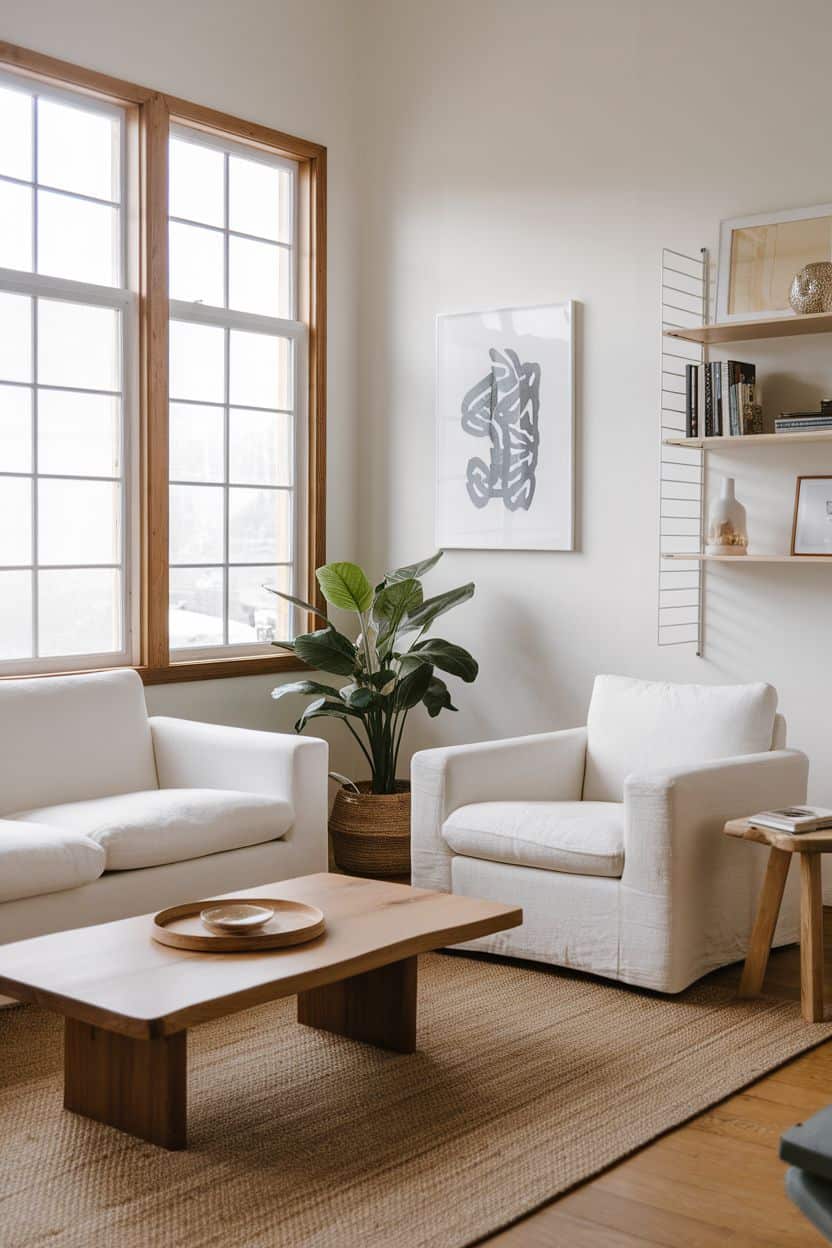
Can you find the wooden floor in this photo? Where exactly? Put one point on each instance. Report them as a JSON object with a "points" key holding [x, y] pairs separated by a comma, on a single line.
{"points": [[714, 1183]]}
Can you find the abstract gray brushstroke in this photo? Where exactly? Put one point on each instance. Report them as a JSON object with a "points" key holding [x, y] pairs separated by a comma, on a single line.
{"points": [[505, 407]]}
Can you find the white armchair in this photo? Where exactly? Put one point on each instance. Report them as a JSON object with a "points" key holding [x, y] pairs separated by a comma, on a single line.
{"points": [[610, 836]]}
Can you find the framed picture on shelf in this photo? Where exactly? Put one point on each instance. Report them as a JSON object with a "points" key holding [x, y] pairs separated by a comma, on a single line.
{"points": [[759, 256], [812, 526], [505, 429]]}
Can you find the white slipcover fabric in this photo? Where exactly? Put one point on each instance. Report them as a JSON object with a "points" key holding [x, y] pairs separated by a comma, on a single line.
{"points": [[686, 898], [68, 738], [582, 838], [160, 826], [36, 860], [643, 725]]}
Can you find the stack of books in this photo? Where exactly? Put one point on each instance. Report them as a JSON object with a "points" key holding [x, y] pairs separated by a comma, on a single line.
{"points": [[720, 399], [794, 819], [796, 422]]}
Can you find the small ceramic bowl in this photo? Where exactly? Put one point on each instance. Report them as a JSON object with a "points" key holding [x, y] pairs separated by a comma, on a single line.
{"points": [[236, 917]]}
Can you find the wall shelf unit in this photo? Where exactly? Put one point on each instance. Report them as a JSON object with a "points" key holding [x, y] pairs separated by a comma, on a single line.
{"points": [[762, 327], [741, 559], [728, 443]]}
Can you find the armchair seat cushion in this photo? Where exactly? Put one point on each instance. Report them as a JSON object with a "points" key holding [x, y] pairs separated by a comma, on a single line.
{"points": [[580, 838], [36, 860], [159, 826]]}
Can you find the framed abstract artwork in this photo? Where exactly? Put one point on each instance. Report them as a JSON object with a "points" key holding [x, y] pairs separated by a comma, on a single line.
{"points": [[505, 429]]}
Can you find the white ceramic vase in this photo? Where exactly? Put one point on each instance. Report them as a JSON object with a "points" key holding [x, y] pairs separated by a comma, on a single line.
{"points": [[727, 529]]}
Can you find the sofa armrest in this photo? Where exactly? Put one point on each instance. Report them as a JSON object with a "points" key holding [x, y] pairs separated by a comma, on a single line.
{"points": [[192, 755], [547, 766], [688, 889]]}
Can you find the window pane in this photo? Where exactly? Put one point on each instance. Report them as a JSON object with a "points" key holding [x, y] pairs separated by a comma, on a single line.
{"points": [[197, 362], [196, 524], [16, 133], [259, 199], [196, 607], [197, 183], [196, 265], [259, 370], [15, 615], [79, 433], [78, 345], [15, 337], [259, 526], [258, 277], [15, 226], [196, 442], [15, 429], [79, 611], [253, 607], [78, 149], [15, 520], [78, 239], [260, 447], [79, 521]]}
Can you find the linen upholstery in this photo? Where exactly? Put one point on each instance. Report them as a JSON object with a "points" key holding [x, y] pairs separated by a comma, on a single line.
{"points": [[582, 838], [169, 825], [687, 894], [35, 860]]}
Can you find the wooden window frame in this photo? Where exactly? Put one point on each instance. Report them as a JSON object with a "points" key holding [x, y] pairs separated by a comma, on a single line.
{"points": [[149, 117]]}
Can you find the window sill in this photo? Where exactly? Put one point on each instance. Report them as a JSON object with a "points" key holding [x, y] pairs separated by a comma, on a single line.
{"points": [[218, 669]]}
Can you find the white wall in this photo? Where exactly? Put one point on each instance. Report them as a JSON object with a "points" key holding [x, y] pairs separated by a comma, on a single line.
{"points": [[533, 152], [288, 64]]}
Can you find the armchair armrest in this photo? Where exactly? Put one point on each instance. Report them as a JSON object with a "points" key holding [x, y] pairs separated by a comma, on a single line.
{"points": [[688, 896], [192, 755], [547, 766]]}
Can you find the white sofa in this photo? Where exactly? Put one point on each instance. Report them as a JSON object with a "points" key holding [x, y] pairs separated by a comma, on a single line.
{"points": [[610, 836], [106, 813]]}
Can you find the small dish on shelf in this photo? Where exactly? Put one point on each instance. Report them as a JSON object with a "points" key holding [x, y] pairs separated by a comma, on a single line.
{"points": [[236, 916]]}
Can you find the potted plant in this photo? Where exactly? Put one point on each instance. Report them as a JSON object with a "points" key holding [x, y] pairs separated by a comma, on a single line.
{"points": [[392, 667]]}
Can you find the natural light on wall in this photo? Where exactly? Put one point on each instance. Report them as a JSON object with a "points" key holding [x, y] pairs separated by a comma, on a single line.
{"points": [[64, 309], [235, 406]]}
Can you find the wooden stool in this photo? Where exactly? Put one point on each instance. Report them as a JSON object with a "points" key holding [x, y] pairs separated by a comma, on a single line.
{"points": [[809, 847]]}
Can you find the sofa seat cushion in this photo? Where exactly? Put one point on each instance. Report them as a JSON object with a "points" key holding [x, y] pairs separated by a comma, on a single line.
{"points": [[158, 826], [36, 860], [582, 838]]}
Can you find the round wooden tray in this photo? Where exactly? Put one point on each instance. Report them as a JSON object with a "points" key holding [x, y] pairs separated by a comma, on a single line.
{"points": [[294, 923]]}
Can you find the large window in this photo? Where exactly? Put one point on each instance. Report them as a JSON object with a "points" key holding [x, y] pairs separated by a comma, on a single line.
{"points": [[162, 379], [66, 333]]}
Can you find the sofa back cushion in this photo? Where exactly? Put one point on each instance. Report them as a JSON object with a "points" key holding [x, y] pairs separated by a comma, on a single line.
{"points": [[66, 738], [641, 725]]}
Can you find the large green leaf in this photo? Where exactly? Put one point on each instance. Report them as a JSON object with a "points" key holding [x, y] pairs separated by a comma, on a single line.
{"points": [[325, 707], [412, 687], [437, 698], [431, 608], [413, 571], [447, 657], [304, 686], [345, 585], [328, 650], [359, 697], [391, 606], [297, 602]]}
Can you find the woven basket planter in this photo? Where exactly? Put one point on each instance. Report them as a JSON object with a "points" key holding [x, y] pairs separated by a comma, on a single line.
{"points": [[371, 831]]}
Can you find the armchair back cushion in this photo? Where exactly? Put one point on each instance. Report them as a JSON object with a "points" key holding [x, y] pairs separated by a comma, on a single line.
{"points": [[641, 726], [71, 738]]}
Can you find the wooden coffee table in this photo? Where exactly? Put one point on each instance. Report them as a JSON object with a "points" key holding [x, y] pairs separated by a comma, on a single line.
{"points": [[128, 1001], [782, 849]]}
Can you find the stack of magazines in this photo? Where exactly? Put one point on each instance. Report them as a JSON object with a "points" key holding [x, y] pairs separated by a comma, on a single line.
{"points": [[804, 422], [794, 819]]}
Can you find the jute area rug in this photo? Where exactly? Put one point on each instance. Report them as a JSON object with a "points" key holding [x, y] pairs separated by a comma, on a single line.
{"points": [[526, 1081]]}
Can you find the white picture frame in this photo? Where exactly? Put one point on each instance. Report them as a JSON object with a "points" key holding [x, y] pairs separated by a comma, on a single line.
{"points": [[812, 527], [505, 429], [729, 227]]}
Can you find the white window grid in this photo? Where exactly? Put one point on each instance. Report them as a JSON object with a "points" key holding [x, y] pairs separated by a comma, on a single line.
{"points": [[124, 301], [296, 333]]}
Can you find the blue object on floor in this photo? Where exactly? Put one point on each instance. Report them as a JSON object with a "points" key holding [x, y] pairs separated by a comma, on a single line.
{"points": [[808, 1149], [813, 1197]]}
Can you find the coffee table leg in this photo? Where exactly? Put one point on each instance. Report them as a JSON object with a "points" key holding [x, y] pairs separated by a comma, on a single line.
{"points": [[811, 938], [139, 1086], [768, 909], [378, 1007]]}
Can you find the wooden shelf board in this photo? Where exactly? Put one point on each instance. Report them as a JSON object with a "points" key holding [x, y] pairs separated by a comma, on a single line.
{"points": [[728, 443], [753, 558], [765, 327]]}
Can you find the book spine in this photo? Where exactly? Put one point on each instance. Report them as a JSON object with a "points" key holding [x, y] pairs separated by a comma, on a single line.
{"points": [[781, 425], [717, 384], [709, 400], [733, 410], [690, 404]]}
